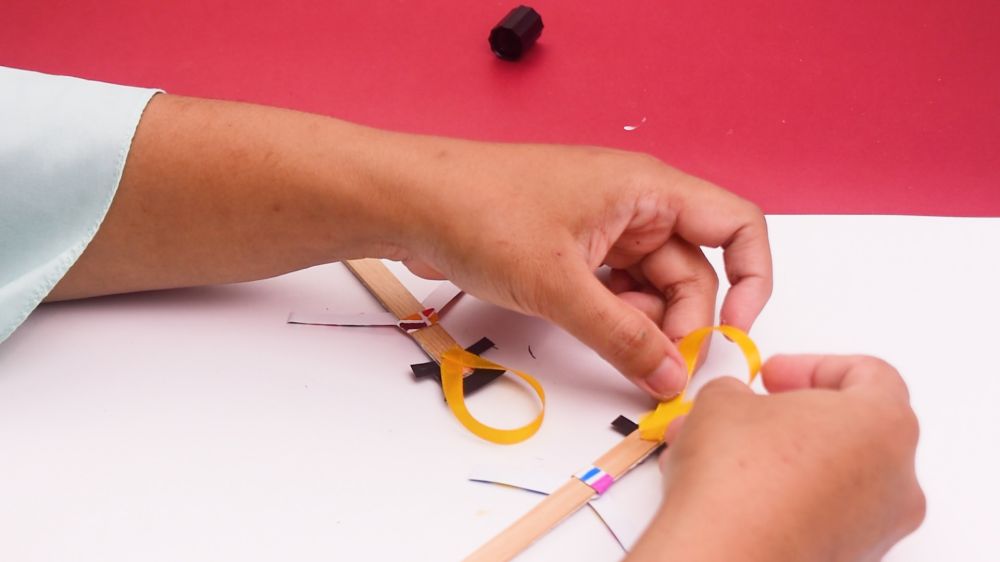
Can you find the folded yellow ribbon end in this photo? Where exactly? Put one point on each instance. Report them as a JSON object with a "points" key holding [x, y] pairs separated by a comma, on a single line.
{"points": [[653, 425]]}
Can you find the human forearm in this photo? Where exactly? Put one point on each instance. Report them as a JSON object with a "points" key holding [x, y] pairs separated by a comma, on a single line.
{"points": [[710, 528], [217, 192]]}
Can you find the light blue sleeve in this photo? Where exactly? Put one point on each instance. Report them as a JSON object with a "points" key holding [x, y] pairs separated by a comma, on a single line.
{"points": [[63, 144]]}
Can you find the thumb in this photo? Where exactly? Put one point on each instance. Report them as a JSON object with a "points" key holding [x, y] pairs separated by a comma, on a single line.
{"points": [[619, 332], [670, 437], [674, 429]]}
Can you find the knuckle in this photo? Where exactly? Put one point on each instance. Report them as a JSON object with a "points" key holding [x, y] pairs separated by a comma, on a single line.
{"points": [[695, 286], [889, 377], [917, 511], [755, 222], [898, 426], [754, 211], [645, 170], [878, 364], [910, 425], [698, 281]]}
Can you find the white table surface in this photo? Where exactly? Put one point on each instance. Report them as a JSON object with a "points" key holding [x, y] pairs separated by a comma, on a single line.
{"points": [[197, 425]]}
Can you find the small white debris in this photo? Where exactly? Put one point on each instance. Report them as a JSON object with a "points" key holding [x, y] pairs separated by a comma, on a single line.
{"points": [[634, 127]]}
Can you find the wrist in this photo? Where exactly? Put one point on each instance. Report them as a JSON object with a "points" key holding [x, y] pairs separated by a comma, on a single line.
{"points": [[385, 193], [712, 528], [339, 172]]}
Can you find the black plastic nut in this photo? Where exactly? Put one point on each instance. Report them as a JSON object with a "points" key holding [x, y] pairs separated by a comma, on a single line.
{"points": [[516, 33]]}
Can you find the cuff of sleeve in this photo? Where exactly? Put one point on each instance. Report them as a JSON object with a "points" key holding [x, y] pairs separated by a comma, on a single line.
{"points": [[62, 152]]}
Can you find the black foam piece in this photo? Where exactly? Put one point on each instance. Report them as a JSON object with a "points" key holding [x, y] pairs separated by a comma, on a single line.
{"points": [[625, 426], [476, 380]]}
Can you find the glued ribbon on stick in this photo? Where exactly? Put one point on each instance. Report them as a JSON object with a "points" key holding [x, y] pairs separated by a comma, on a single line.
{"points": [[418, 321], [454, 364], [654, 425]]}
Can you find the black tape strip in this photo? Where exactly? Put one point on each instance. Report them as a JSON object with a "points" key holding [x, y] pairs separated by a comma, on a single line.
{"points": [[478, 379], [425, 370], [624, 426], [481, 346]]}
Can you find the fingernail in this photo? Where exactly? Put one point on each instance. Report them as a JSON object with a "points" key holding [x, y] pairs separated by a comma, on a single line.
{"points": [[667, 380]]}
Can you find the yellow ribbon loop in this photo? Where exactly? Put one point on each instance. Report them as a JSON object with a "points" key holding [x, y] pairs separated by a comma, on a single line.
{"points": [[654, 425], [454, 363]]}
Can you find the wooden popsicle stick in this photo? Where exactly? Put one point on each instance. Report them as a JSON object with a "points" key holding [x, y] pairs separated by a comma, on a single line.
{"points": [[389, 291], [562, 503], [565, 501], [398, 300], [551, 511]]}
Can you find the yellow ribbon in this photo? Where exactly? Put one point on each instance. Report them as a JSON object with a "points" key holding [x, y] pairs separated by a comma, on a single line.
{"points": [[654, 425], [454, 364]]}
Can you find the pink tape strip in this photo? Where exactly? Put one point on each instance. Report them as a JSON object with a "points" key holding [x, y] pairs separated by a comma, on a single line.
{"points": [[603, 484]]}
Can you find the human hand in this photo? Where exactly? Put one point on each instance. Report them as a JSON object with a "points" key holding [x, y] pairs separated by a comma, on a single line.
{"points": [[526, 226], [821, 470], [222, 192]]}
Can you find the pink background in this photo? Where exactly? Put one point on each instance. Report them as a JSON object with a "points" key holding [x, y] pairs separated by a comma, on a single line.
{"points": [[802, 106]]}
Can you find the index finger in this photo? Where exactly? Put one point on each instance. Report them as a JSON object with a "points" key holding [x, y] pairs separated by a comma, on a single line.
{"points": [[708, 215]]}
